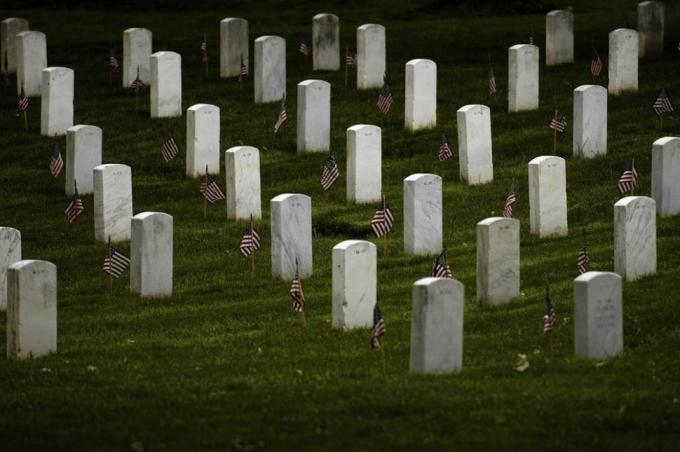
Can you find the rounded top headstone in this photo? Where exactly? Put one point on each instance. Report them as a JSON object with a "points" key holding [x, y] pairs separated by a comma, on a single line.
{"points": [[498, 222], [524, 48], [423, 179], [315, 83], [166, 55], [366, 129], [560, 12], [233, 19], [593, 275], [371, 27], [328, 17], [31, 34], [350, 244], [137, 30], [623, 33], [269, 39], [666, 140], [290, 197], [438, 283], [152, 216], [57, 71], [240, 150], [636, 201], [79, 128], [32, 265], [546, 160], [591, 88], [421, 63], [474, 108], [110, 167], [204, 108]]}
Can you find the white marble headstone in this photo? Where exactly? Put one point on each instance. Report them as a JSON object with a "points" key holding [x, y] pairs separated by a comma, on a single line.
{"points": [[151, 259], [10, 252], [31, 53], [522, 77], [313, 116], [270, 69], [326, 42], [9, 28], [651, 17], [83, 154], [635, 237], [590, 121], [233, 46], [559, 37], [497, 260], [56, 103], [420, 95], [137, 48], [437, 326], [242, 165], [112, 202], [370, 56], [203, 140], [598, 315], [364, 163], [166, 85], [423, 214], [474, 144], [291, 235], [548, 196], [31, 309], [666, 175], [354, 284], [623, 61]]}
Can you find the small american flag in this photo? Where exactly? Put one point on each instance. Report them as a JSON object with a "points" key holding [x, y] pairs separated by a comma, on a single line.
{"points": [[445, 152], [510, 201], [492, 79], [305, 48], [210, 190], [549, 319], [628, 179], [115, 262], [137, 84], [296, 293], [595, 63], [330, 173], [663, 104], [74, 208], [441, 267], [204, 50], [113, 62], [350, 57], [23, 101], [56, 162], [243, 71], [283, 116], [382, 221], [582, 260], [169, 148], [378, 330], [250, 241], [559, 122], [385, 99]]}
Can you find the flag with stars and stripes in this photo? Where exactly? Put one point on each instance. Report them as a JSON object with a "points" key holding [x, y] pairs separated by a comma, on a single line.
{"points": [[385, 99], [445, 152], [382, 221], [243, 71], [137, 84], [282, 118], [56, 162], [378, 330], [74, 208], [662, 104], [441, 268], [492, 79], [210, 190], [169, 148], [296, 293], [305, 48], [250, 241], [113, 62], [628, 179], [510, 201], [559, 122], [350, 57], [330, 173], [550, 318], [595, 63], [204, 50], [23, 101], [115, 262], [582, 260]]}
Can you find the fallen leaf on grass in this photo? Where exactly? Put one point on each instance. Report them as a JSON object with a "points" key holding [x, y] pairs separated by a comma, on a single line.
{"points": [[522, 363]]}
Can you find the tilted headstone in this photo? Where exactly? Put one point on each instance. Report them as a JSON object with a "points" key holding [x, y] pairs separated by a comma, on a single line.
{"points": [[31, 53], [112, 202], [598, 315], [423, 214], [242, 164], [10, 252], [474, 144], [326, 42], [9, 28], [497, 260], [31, 309], [651, 16], [166, 85], [420, 95], [370, 56], [559, 37], [270, 69], [523, 77], [635, 237], [548, 196], [623, 61], [590, 121], [313, 116], [666, 175], [364, 163], [56, 108], [203, 140], [83, 154], [233, 46], [437, 326], [291, 235], [354, 284], [151, 259], [137, 48]]}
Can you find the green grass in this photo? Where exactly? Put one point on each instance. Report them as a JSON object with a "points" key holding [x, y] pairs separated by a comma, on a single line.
{"points": [[225, 364]]}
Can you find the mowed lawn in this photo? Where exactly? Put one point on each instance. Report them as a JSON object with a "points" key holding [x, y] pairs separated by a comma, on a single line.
{"points": [[225, 364]]}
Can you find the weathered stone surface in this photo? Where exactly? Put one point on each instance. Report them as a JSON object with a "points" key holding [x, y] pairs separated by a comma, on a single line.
{"points": [[559, 37], [9, 28], [203, 140], [364, 163], [166, 85], [354, 284], [522, 77], [548, 196], [242, 165], [291, 235], [314, 116], [56, 108], [270, 69], [651, 17], [151, 250], [590, 121], [474, 143], [423, 214], [31, 51], [370, 56], [666, 175], [635, 237], [326, 42], [137, 45], [83, 154], [497, 260], [10, 252], [421, 95], [623, 61], [233, 46], [112, 202]]}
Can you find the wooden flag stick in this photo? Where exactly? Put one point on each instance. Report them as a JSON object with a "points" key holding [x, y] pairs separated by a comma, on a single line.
{"points": [[109, 267], [346, 66], [252, 254], [25, 120], [555, 136], [205, 198], [382, 357]]}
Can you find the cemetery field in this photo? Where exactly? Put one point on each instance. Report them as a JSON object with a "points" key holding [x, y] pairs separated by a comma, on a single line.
{"points": [[225, 364]]}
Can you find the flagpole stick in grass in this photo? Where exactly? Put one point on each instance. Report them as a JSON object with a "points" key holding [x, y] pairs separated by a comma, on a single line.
{"points": [[382, 357], [346, 66], [387, 233], [252, 254], [109, 267], [205, 198], [206, 54]]}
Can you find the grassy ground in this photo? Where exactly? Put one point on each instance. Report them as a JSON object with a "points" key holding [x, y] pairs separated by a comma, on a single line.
{"points": [[224, 364]]}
